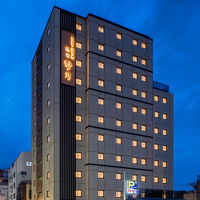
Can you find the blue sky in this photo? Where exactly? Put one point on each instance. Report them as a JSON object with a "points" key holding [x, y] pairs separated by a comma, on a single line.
{"points": [[173, 24]]}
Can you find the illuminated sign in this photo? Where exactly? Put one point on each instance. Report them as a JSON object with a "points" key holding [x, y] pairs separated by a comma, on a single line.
{"points": [[68, 52], [131, 187]]}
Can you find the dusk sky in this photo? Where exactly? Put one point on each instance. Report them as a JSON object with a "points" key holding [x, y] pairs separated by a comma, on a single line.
{"points": [[174, 26]]}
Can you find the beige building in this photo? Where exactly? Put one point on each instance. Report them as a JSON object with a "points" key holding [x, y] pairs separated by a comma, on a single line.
{"points": [[96, 112]]}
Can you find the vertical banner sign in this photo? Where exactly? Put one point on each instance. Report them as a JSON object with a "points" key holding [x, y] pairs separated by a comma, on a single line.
{"points": [[68, 51], [131, 187]]}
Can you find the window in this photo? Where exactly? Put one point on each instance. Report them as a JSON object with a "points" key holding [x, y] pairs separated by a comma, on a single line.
{"points": [[101, 29], [135, 143], [135, 58], [156, 163], [78, 193], [78, 63], [48, 138], [142, 194], [144, 145], [48, 49], [164, 164], [134, 177], [119, 88], [79, 27], [164, 132], [156, 114], [78, 118], [119, 105], [135, 75], [101, 47], [100, 175], [119, 176], [164, 148], [144, 45], [78, 81], [48, 156], [143, 178], [101, 65], [135, 126], [100, 101], [48, 175], [164, 196], [78, 174], [156, 146], [164, 100], [144, 78], [164, 180], [135, 109], [119, 36], [78, 45], [135, 160], [143, 94], [118, 140], [118, 194], [118, 158], [135, 92], [78, 100], [48, 84], [100, 156], [78, 156], [101, 138], [48, 31], [101, 120], [48, 193], [143, 161], [118, 70], [164, 116], [144, 61], [156, 130], [119, 53], [48, 120], [48, 102], [118, 122], [100, 193], [143, 128], [101, 83], [156, 179], [48, 66], [143, 111], [78, 137], [135, 42], [156, 98]]}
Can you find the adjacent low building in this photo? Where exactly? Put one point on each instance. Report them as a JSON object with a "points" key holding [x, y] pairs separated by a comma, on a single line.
{"points": [[3, 190]]}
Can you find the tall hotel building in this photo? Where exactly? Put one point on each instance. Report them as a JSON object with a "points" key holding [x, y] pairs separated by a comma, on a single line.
{"points": [[97, 113]]}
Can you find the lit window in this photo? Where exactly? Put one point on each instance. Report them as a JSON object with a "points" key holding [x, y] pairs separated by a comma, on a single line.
{"points": [[144, 61], [164, 100], [143, 94], [78, 118], [164, 196], [142, 194], [101, 65], [135, 160], [100, 193], [164, 164], [135, 58], [164, 147], [78, 156], [79, 27], [135, 143], [78, 137], [119, 70], [100, 101], [144, 78], [48, 49], [119, 36], [48, 102], [101, 83], [100, 175], [118, 158], [156, 163], [143, 128], [78, 63], [48, 193], [135, 109], [135, 75], [156, 146], [156, 98], [135, 42], [100, 156], [78, 100], [101, 47], [78, 81], [144, 145], [118, 122], [156, 179], [135, 126], [119, 53], [119, 105], [78, 174], [143, 161], [156, 114], [101, 29], [48, 156], [101, 138], [143, 178], [119, 88], [118, 140], [135, 92], [164, 116], [79, 45], [48, 84], [48, 138], [48, 66], [143, 111], [101, 120], [164, 180], [144, 45], [134, 177], [118, 194], [78, 193], [48, 175], [156, 130], [164, 132], [119, 176], [48, 120]]}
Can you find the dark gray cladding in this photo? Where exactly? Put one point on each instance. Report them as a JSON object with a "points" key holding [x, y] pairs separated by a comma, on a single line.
{"points": [[68, 21]]}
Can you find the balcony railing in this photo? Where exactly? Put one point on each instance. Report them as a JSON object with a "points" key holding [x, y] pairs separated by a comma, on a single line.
{"points": [[160, 86]]}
